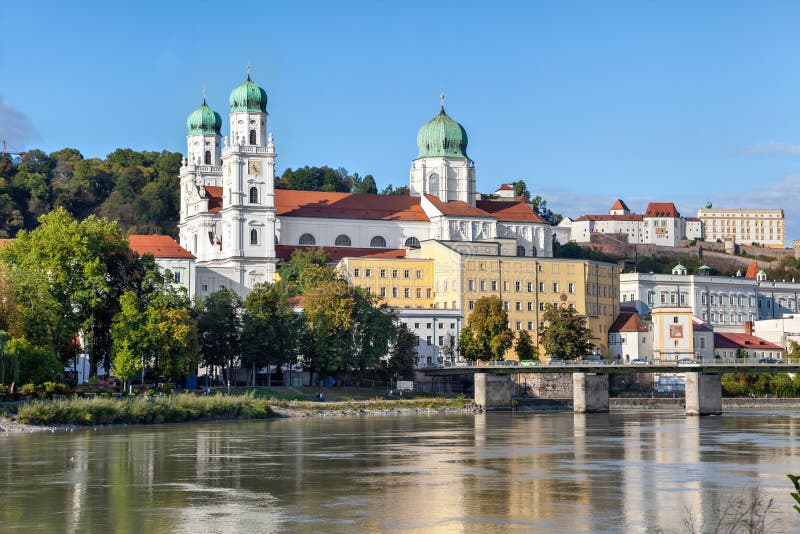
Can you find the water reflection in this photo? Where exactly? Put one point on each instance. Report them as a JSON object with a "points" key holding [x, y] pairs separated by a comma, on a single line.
{"points": [[557, 472]]}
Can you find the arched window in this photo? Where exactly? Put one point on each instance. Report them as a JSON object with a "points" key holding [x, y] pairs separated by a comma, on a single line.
{"points": [[342, 241], [433, 184], [208, 157], [253, 195], [307, 239], [412, 242], [520, 251], [533, 252], [254, 237], [378, 242], [252, 137]]}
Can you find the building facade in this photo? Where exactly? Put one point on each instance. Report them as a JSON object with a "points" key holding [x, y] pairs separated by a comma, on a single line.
{"points": [[238, 225], [744, 226]]}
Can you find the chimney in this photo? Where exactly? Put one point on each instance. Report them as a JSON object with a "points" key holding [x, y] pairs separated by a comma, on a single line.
{"points": [[748, 328]]}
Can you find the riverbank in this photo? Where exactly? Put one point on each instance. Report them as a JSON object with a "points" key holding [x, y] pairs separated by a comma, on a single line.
{"points": [[647, 403], [72, 414]]}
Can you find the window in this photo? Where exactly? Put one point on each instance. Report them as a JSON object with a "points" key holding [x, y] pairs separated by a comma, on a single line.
{"points": [[703, 299], [412, 242], [342, 241], [252, 137], [483, 285], [383, 273], [382, 292], [433, 184], [416, 326], [356, 272], [675, 320], [651, 297], [519, 325], [452, 326], [530, 306], [517, 286], [176, 276], [530, 287], [253, 195], [428, 340], [307, 239], [494, 285], [471, 285], [518, 306], [378, 242], [419, 274], [208, 157], [530, 325], [367, 273], [204, 287], [520, 251], [541, 306], [407, 292], [555, 287], [428, 292], [533, 252], [505, 286], [441, 326], [419, 292], [441, 340], [394, 273], [672, 298], [394, 292], [471, 304], [541, 287], [254, 237], [571, 287], [505, 305], [428, 325], [663, 297], [406, 273]]}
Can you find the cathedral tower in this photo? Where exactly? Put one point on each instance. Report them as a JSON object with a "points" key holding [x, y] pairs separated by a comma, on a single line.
{"points": [[442, 167]]}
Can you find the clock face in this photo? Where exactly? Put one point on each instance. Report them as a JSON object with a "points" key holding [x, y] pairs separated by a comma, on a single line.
{"points": [[254, 167]]}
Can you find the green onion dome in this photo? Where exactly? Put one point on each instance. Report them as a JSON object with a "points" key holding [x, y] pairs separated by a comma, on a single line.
{"points": [[204, 120], [442, 136], [248, 97]]}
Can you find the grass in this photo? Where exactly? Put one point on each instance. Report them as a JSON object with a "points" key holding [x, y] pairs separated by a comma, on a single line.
{"points": [[142, 410], [425, 403]]}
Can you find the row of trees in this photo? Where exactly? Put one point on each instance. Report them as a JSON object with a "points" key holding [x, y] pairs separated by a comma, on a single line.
{"points": [[487, 335], [67, 278]]}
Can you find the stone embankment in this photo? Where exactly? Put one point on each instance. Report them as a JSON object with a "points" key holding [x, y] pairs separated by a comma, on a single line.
{"points": [[649, 403]]}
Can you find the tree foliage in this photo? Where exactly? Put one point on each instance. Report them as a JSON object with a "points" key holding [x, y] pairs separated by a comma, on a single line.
{"points": [[524, 347], [565, 335], [486, 336], [219, 326], [401, 190], [403, 355], [294, 275], [36, 364]]}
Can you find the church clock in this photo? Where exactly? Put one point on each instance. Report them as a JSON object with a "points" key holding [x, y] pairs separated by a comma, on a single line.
{"points": [[254, 167]]}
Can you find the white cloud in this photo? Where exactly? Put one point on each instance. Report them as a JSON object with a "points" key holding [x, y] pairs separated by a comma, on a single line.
{"points": [[773, 149], [15, 127]]}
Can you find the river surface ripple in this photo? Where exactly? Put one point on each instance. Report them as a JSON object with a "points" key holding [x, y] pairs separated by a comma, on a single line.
{"points": [[498, 472]]}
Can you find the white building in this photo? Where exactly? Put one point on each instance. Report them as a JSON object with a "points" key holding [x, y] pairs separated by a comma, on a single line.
{"points": [[436, 329], [780, 331], [744, 226], [661, 224], [169, 256], [631, 338], [727, 303], [239, 227]]}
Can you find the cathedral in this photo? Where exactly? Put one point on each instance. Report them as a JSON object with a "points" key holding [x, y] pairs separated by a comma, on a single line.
{"points": [[239, 227]]}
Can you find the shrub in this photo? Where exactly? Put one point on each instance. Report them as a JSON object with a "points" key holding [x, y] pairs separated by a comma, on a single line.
{"points": [[49, 387], [35, 363], [27, 389], [5, 391]]}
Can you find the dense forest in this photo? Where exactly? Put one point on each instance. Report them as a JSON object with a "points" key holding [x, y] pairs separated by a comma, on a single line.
{"points": [[139, 190]]}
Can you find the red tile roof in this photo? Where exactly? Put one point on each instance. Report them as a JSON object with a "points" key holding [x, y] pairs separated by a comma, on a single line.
{"points": [[628, 217], [661, 209], [456, 207], [700, 326], [627, 322], [730, 340], [752, 270], [291, 203], [335, 254], [506, 187], [620, 205], [160, 246], [214, 194], [692, 219], [509, 211]]}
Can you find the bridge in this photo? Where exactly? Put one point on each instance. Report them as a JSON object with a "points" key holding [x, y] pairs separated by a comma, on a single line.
{"points": [[494, 387]]}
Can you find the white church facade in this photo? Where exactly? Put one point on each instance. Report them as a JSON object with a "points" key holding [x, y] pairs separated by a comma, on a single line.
{"points": [[239, 227]]}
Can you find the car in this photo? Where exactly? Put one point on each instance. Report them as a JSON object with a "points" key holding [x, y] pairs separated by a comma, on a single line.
{"points": [[770, 360], [686, 362], [510, 363], [556, 361], [529, 363], [594, 359], [639, 361], [463, 363]]}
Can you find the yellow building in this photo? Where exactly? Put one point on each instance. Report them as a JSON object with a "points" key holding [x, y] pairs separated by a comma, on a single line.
{"points": [[448, 277], [745, 226], [399, 282], [673, 333]]}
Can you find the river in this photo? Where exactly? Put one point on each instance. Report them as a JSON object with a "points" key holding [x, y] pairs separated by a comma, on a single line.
{"points": [[498, 472]]}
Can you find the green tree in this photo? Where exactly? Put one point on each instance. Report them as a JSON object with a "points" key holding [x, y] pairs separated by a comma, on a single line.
{"points": [[794, 349], [292, 272], [36, 364], [315, 179], [524, 346], [329, 322], [364, 185], [372, 332], [398, 191], [565, 335], [219, 326], [403, 355], [9, 363], [271, 330], [521, 189], [487, 336]]}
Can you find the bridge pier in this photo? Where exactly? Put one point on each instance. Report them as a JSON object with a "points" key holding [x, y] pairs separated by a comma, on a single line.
{"points": [[493, 391], [590, 393], [703, 393]]}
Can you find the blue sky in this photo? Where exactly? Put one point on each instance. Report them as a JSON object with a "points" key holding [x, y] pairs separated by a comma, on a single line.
{"points": [[586, 101]]}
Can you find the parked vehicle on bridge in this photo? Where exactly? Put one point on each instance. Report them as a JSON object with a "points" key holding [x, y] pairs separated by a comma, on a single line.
{"points": [[463, 363], [509, 363], [639, 361], [529, 363], [770, 360], [556, 361], [594, 359], [686, 362]]}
